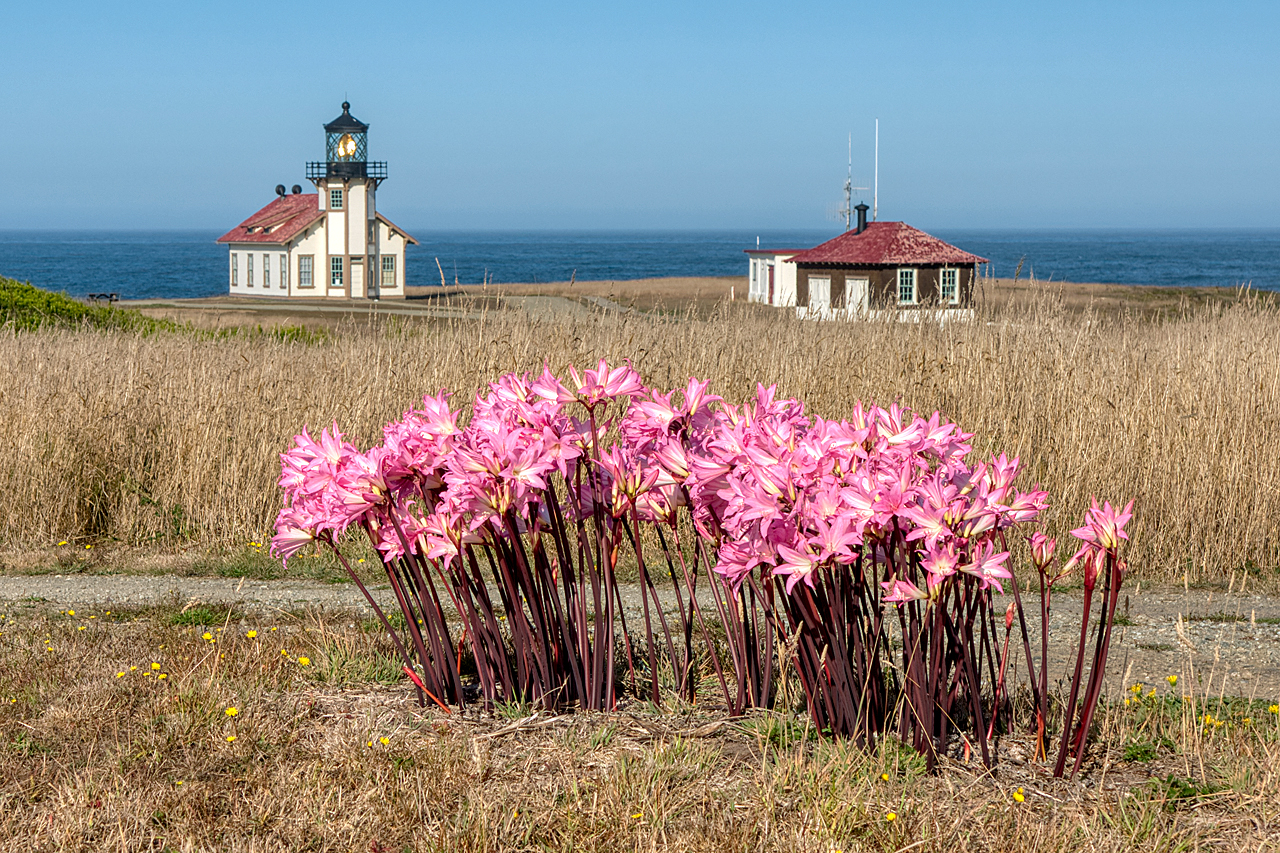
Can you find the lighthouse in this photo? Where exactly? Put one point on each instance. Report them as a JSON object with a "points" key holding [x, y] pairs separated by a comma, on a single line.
{"points": [[332, 243]]}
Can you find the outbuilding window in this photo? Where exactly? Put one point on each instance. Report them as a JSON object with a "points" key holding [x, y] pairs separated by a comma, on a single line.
{"points": [[388, 270], [949, 286], [266, 270], [906, 287], [248, 270], [284, 272], [235, 270], [335, 272], [304, 270]]}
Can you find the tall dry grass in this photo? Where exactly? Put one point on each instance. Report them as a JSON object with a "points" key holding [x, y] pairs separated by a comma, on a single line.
{"points": [[169, 437]]}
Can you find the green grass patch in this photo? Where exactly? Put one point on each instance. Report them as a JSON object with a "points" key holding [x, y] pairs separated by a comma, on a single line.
{"points": [[203, 616], [1222, 617], [25, 307]]}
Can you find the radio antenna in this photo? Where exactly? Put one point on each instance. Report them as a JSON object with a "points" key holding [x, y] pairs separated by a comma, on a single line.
{"points": [[848, 210], [875, 194]]}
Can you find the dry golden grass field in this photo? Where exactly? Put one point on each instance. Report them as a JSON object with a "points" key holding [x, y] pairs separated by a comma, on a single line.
{"points": [[172, 439]]}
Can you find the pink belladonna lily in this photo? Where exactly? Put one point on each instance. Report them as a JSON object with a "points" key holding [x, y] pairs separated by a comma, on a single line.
{"points": [[1104, 526], [988, 565], [1042, 548], [602, 384], [900, 591], [796, 566], [294, 533]]}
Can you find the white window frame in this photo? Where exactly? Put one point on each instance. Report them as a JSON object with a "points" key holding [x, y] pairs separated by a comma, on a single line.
{"points": [[337, 272], [904, 277], [284, 272], [335, 198], [235, 270], [266, 270], [388, 271], [955, 285], [306, 270], [248, 269]]}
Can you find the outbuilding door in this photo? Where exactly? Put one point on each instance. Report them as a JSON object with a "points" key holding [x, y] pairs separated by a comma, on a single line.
{"points": [[857, 295], [820, 294], [770, 284]]}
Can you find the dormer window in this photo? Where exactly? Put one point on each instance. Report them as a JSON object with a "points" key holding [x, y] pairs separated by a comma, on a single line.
{"points": [[335, 199]]}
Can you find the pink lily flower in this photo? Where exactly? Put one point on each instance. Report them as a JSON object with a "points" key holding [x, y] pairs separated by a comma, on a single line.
{"points": [[987, 566]]}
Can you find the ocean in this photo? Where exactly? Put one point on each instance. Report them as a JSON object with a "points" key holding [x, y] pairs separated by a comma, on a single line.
{"points": [[174, 264]]}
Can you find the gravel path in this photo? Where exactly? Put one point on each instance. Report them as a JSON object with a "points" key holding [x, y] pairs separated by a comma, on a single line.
{"points": [[1215, 643]]}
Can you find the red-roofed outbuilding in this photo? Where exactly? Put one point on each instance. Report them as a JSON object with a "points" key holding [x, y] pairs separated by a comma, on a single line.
{"points": [[876, 266]]}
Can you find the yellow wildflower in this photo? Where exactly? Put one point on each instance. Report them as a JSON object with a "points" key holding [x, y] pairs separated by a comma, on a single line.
{"points": [[231, 738], [1018, 796], [162, 676], [891, 816], [251, 634], [884, 777], [1173, 680], [304, 661], [232, 711], [385, 741], [155, 666]]}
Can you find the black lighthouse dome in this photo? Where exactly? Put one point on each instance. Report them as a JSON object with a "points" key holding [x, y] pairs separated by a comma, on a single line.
{"points": [[346, 145], [346, 149]]}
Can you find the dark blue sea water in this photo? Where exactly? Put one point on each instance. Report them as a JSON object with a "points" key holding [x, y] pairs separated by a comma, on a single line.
{"points": [[139, 264]]}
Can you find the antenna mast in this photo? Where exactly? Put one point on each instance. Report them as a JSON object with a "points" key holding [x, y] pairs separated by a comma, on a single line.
{"points": [[875, 194], [848, 209]]}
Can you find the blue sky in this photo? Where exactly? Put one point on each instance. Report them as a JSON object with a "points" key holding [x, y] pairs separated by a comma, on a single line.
{"points": [[653, 115]]}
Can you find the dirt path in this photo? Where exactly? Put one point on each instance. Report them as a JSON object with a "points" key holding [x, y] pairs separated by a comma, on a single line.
{"points": [[537, 305], [1214, 642]]}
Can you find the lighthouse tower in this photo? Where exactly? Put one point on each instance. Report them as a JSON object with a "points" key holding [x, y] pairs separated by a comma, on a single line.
{"points": [[348, 186]]}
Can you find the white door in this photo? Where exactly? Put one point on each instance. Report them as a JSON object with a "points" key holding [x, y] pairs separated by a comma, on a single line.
{"points": [[857, 295], [819, 294], [357, 281]]}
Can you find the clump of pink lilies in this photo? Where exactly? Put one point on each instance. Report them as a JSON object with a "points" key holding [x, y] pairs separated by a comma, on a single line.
{"points": [[864, 552]]}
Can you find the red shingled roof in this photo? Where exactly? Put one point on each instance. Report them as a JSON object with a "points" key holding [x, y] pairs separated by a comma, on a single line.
{"points": [[887, 243], [278, 222]]}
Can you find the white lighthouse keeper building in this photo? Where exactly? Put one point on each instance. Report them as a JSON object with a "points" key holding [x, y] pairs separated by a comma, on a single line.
{"points": [[331, 243]]}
